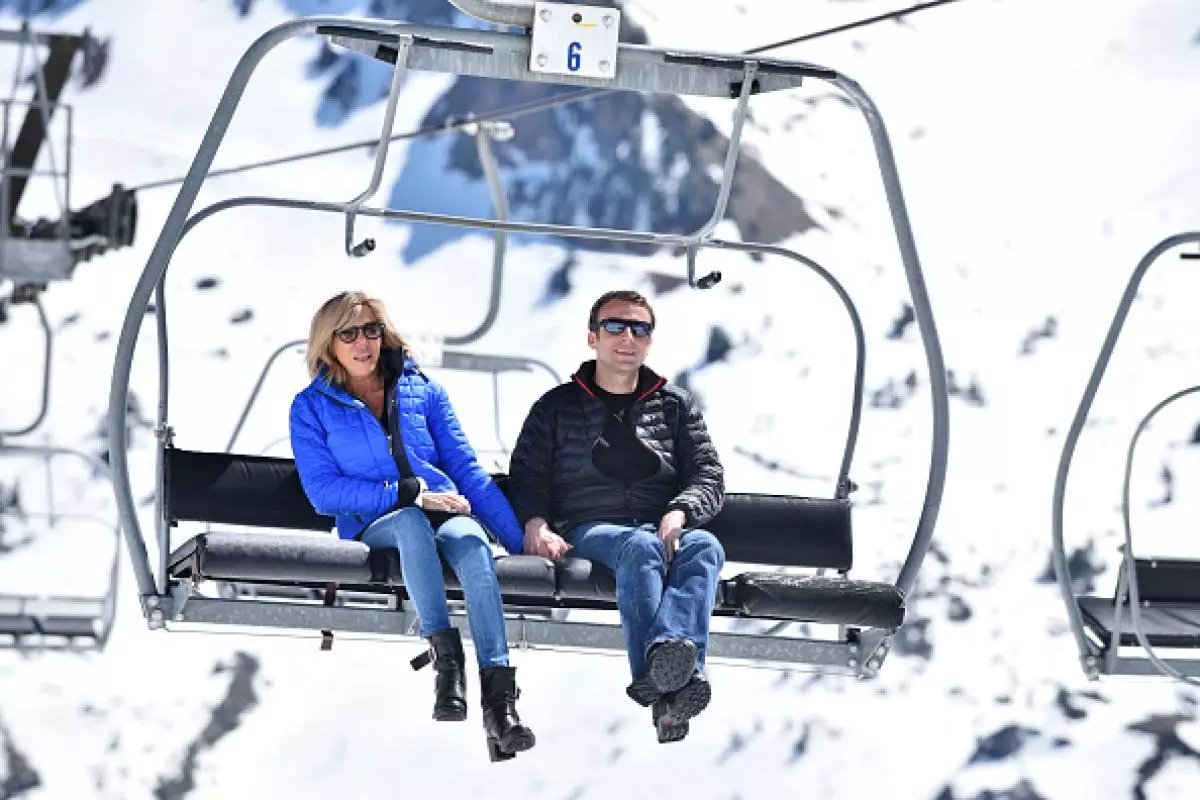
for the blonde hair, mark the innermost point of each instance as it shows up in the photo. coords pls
(337, 312)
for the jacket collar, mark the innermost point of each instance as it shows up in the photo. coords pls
(649, 381)
(395, 362)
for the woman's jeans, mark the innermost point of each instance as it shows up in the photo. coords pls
(465, 546)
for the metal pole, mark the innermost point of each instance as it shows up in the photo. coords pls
(1058, 553)
(155, 267)
(483, 142)
(935, 363)
(163, 433)
(403, 44)
(731, 155)
(262, 377)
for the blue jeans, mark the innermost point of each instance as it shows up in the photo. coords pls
(656, 602)
(464, 544)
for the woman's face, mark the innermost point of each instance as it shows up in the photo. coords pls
(356, 345)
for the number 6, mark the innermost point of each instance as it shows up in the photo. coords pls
(573, 56)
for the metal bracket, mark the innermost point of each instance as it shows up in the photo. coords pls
(403, 44)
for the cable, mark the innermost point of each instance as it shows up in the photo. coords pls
(524, 109)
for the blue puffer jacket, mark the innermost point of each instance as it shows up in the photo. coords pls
(347, 470)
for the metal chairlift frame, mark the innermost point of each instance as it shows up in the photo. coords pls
(501, 55)
(49, 621)
(1099, 653)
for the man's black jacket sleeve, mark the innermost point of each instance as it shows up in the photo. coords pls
(703, 493)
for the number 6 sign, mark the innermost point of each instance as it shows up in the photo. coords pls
(570, 39)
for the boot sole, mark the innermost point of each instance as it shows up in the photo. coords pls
(689, 701)
(450, 715)
(518, 741)
(673, 665)
(669, 732)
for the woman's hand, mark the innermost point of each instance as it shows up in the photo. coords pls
(450, 502)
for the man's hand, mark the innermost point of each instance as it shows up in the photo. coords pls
(540, 540)
(670, 528)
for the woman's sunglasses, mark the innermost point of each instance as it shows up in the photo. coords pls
(616, 327)
(371, 330)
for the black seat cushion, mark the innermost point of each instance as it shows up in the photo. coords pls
(581, 579)
(308, 560)
(1168, 580)
(235, 489)
(809, 599)
(1166, 625)
(316, 560)
(75, 627)
(265, 492)
(781, 531)
(17, 625)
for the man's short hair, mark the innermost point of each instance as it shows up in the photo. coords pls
(622, 295)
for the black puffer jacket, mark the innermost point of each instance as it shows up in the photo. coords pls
(552, 475)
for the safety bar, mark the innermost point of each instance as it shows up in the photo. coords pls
(496, 55)
(1088, 652)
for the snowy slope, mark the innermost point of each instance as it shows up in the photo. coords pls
(1044, 148)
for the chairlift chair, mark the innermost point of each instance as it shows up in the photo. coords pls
(764, 531)
(33, 255)
(1156, 604)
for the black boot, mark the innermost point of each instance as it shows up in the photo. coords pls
(506, 735)
(450, 681)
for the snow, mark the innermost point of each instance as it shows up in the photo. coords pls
(1043, 149)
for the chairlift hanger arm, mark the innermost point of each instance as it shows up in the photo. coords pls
(1088, 652)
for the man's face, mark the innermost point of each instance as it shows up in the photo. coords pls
(617, 346)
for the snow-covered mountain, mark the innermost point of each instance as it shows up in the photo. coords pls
(1043, 149)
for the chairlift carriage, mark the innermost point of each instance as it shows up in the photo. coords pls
(44, 620)
(361, 591)
(34, 254)
(1156, 604)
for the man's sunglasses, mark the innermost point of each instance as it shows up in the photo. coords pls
(371, 330)
(616, 327)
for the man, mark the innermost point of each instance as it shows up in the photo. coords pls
(617, 466)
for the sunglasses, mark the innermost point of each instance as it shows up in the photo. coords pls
(616, 327)
(371, 330)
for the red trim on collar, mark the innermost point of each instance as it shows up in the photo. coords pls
(583, 385)
(651, 390)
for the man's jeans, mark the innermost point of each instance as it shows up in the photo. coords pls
(656, 602)
(464, 544)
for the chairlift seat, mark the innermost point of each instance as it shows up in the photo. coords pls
(260, 491)
(44, 617)
(1169, 590)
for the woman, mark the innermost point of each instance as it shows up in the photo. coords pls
(379, 447)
